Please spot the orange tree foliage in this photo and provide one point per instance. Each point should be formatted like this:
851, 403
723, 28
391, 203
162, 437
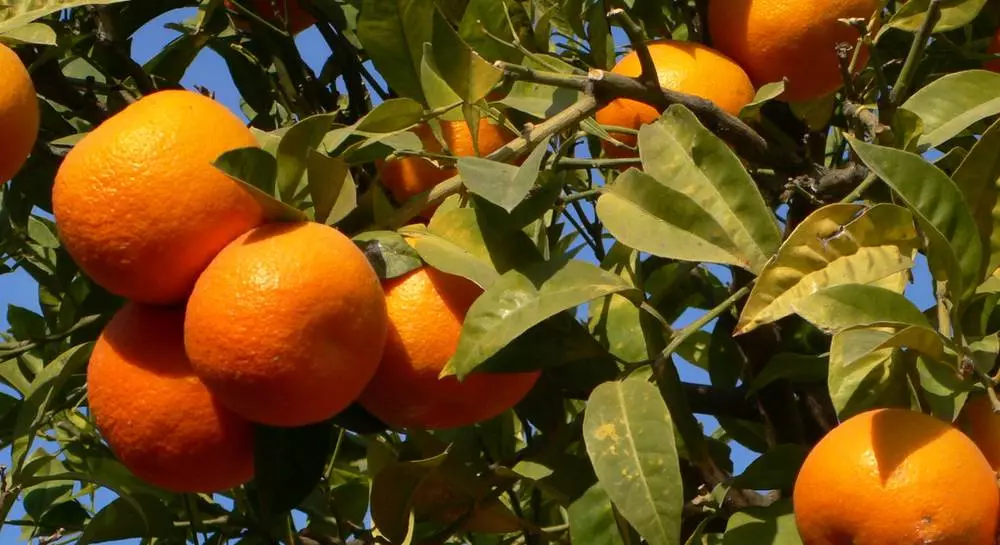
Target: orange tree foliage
788, 229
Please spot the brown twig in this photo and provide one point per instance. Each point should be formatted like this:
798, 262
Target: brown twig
648, 67
607, 86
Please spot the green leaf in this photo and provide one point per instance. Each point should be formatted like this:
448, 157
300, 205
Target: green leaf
908, 128
471, 243
18, 14
25, 324
519, 300
943, 387
624, 329
641, 212
437, 93
849, 305
118, 521
954, 14
539, 100
488, 16
468, 74
173, 61
45, 388
288, 464
630, 440
793, 367
691, 206
392, 496
776, 469
592, 519
252, 163
293, 154
31, 33
499, 183
331, 185
765, 94
395, 114
864, 369
837, 244
978, 176
252, 166
953, 102
955, 251
388, 253
771, 525
393, 33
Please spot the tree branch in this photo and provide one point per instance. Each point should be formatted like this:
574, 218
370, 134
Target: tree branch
648, 74
909, 70
608, 86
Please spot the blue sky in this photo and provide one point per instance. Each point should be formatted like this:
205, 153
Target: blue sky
209, 71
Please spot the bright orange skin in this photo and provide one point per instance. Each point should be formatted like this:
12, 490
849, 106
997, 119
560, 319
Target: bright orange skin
287, 324
994, 47
772, 39
275, 11
426, 311
19, 117
686, 67
158, 417
896, 477
979, 422
411, 176
138, 203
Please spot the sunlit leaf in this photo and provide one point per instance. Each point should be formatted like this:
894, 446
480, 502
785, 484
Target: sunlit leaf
954, 14
978, 176
837, 244
849, 305
17, 14
467, 73
502, 184
630, 440
950, 104
771, 525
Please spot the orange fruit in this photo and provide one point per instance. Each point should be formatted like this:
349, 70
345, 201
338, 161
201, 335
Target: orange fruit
894, 476
686, 67
994, 47
157, 416
138, 203
426, 311
982, 425
409, 176
286, 14
19, 117
287, 324
775, 39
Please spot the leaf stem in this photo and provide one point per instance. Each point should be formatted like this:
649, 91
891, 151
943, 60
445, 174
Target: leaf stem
702, 321
864, 185
909, 70
582, 195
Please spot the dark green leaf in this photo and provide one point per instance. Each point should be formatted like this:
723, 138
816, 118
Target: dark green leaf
776, 469
392, 496
331, 185
392, 115
592, 519
288, 464
388, 253
630, 440
793, 367
467, 73
393, 33
772, 525
978, 176
119, 520
293, 153
488, 16
251, 162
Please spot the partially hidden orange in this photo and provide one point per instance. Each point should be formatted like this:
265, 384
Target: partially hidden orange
426, 310
409, 176
285, 14
138, 204
794, 39
19, 117
686, 67
994, 47
895, 477
982, 425
287, 324
158, 418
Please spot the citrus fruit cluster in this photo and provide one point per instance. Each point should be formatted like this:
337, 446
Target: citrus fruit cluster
232, 320
890, 476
